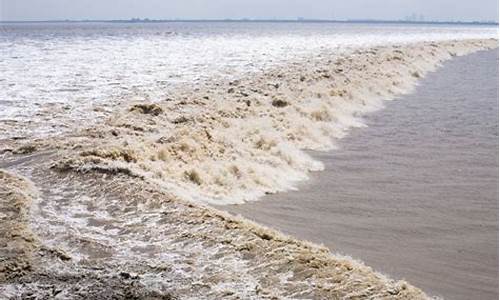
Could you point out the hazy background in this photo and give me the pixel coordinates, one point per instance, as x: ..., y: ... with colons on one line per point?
x: 446, y: 10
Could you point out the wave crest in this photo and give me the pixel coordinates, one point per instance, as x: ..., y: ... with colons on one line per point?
x: 231, y: 142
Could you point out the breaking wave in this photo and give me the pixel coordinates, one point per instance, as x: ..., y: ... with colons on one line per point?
x: 115, y: 215
x: 231, y: 142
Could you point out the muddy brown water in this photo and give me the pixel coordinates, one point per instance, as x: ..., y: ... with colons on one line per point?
x: 415, y: 194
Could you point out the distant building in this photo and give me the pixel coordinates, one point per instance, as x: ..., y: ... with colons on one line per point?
x: 415, y: 18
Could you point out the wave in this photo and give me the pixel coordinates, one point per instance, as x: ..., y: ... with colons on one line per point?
x: 17, y: 241
x: 115, y: 216
x: 230, y: 142
x: 94, y: 237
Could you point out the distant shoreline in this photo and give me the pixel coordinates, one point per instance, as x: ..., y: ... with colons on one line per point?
x: 361, y: 21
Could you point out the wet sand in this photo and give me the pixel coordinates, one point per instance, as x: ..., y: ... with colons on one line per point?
x: 415, y: 194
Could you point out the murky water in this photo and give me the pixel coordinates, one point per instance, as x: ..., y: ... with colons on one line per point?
x: 415, y: 194
x: 112, y: 127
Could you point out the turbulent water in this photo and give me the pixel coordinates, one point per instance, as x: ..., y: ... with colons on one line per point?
x: 415, y: 194
x: 115, y: 135
x: 53, y: 75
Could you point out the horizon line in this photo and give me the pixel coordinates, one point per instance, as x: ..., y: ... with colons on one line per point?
x: 297, y: 20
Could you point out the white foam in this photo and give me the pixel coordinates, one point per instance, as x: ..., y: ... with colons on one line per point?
x: 53, y: 80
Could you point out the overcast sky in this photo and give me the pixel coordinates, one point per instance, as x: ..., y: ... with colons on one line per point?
x: 465, y: 10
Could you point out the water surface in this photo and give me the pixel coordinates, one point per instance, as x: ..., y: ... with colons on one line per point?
x: 415, y: 194
x: 55, y: 75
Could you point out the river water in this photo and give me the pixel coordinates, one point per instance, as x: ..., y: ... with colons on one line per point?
x: 219, y: 112
x: 56, y: 75
x: 415, y: 194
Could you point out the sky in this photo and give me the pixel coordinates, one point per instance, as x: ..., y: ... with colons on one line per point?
x: 444, y: 10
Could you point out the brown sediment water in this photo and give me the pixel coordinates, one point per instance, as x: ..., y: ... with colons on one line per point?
x: 230, y: 142
x: 415, y: 194
x: 119, y: 209
x: 87, y: 236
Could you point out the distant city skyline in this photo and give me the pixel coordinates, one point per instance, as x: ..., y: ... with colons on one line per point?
x: 409, y: 10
